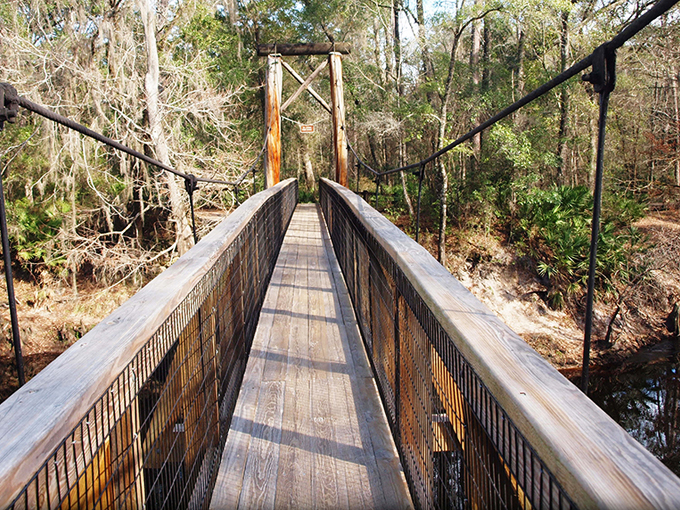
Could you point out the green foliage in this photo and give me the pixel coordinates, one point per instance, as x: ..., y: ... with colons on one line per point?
x: 212, y: 35
x: 554, y: 227
x: 306, y: 195
x: 33, y: 228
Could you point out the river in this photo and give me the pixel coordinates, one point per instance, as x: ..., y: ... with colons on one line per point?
x: 642, y: 396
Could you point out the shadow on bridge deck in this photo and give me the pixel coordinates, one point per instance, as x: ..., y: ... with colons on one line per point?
x: 309, y: 429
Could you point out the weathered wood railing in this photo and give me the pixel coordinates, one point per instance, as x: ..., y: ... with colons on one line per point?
x: 136, y: 413
x: 479, y: 418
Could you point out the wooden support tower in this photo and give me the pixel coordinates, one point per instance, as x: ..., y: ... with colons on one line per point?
x: 272, y: 120
x: 338, y: 106
x: 273, y: 106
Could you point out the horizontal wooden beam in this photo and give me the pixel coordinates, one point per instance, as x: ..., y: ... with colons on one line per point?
x: 303, y: 49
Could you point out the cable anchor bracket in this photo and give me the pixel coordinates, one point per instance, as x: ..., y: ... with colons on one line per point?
x: 9, y: 104
x: 603, y: 73
x: 190, y: 184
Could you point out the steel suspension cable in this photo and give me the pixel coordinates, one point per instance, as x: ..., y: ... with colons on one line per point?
x: 65, y: 121
x: 190, y: 181
x: 658, y: 9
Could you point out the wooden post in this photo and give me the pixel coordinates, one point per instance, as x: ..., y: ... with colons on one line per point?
x: 272, y: 121
x: 338, y: 106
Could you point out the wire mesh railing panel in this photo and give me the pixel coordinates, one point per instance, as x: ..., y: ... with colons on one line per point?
x: 154, y: 438
x: 458, y: 447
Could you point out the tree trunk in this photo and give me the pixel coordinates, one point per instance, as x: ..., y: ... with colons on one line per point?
x: 397, y: 7
x: 564, y: 102
x: 407, y: 198
x: 389, y: 44
x: 440, y: 144
x: 74, y: 227
x: 443, y: 194
x: 444, y: 185
x: 178, y: 208
x: 593, y: 152
x: 309, y: 171
x: 521, y: 52
x: 376, y: 50
x: 674, y: 83
x: 428, y: 69
x: 402, y: 160
x: 476, y: 77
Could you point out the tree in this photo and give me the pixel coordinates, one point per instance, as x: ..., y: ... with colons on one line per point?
x: 152, y: 88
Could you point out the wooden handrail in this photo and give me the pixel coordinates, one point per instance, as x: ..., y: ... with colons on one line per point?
x: 36, y: 419
x: 596, y: 462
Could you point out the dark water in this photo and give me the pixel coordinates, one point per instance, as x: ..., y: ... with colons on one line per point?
x: 642, y: 395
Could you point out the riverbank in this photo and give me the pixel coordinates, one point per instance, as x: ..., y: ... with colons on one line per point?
x: 509, y: 285
x: 52, y: 317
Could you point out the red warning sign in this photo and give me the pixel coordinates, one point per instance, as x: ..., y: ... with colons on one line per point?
x: 306, y: 128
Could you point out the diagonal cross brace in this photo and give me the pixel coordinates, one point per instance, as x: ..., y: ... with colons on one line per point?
x: 305, y: 85
x: 310, y: 89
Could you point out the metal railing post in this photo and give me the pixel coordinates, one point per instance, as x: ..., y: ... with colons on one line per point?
x: 191, y: 185
x: 16, y: 338
x: 421, y: 174
x: 377, y: 191
x: 254, y: 182
x: 603, y: 77
x: 9, y: 107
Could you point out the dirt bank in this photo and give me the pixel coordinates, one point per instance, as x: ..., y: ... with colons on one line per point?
x: 51, y: 318
x: 509, y: 286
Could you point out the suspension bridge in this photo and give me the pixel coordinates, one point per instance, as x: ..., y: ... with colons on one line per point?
x: 315, y: 356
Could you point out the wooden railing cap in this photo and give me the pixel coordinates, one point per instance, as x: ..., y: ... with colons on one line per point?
x: 597, y: 463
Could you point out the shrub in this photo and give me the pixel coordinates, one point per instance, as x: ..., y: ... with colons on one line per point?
x: 554, y: 227
x: 34, y: 227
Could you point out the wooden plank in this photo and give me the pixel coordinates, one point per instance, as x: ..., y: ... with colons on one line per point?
x: 353, y: 473
x: 294, y: 482
x: 37, y: 418
x: 304, y: 85
x: 364, y: 489
x: 318, y: 334
x: 230, y: 477
x: 313, y: 92
x: 597, y: 463
x: 298, y: 355
x: 277, y: 334
x: 259, y: 481
x: 324, y: 479
x: 303, y: 49
x: 349, y: 332
x: 326, y: 456
x: 294, y: 478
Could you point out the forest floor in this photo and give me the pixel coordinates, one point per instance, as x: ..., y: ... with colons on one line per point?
x: 51, y: 318
x: 510, y: 287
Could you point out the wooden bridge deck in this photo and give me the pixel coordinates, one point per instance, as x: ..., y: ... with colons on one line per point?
x: 309, y: 430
